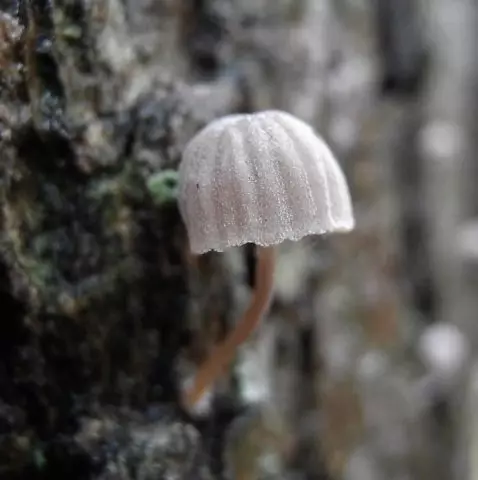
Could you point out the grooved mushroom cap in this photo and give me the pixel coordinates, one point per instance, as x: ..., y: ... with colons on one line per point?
x: 260, y: 178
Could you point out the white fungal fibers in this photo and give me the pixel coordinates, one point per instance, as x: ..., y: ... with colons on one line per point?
x: 260, y: 178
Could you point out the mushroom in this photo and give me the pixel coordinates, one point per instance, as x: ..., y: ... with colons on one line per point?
x: 258, y: 178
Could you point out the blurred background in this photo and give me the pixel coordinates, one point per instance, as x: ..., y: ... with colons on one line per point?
x: 368, y: 353
x: 365, y: 367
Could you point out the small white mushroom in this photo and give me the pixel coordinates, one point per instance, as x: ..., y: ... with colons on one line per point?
x: 260, y: 178
x: 257, y: 178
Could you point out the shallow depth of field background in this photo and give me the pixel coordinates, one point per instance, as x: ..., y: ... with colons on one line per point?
x: 381, y: 381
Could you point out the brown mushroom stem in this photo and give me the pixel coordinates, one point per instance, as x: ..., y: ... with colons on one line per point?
x: 223, y: 354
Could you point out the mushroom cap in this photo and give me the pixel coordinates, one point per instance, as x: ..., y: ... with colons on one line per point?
x: 260, y: 178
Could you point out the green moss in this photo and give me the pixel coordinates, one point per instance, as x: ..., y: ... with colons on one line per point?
x: 39, y: 459
x: 163, y: 187
x: 39, y: 272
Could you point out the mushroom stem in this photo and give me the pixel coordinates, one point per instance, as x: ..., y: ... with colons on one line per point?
x: 223, y: 354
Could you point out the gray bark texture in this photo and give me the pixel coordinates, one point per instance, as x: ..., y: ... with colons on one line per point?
x: 105, y: 315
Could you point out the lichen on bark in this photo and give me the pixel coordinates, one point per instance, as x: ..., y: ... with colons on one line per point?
x: 94, y: 274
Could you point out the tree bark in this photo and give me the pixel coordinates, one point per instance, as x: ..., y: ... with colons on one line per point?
x: 105, y: 314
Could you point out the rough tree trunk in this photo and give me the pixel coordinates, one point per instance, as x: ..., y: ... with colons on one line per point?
x: 104, y: 312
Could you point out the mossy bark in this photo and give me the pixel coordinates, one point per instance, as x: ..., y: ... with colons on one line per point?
x: 94, y: 272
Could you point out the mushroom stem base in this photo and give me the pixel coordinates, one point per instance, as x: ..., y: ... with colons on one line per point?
x: 223, y: 354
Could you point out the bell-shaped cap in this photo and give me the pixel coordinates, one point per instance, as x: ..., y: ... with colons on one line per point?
x: 260, y: 178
